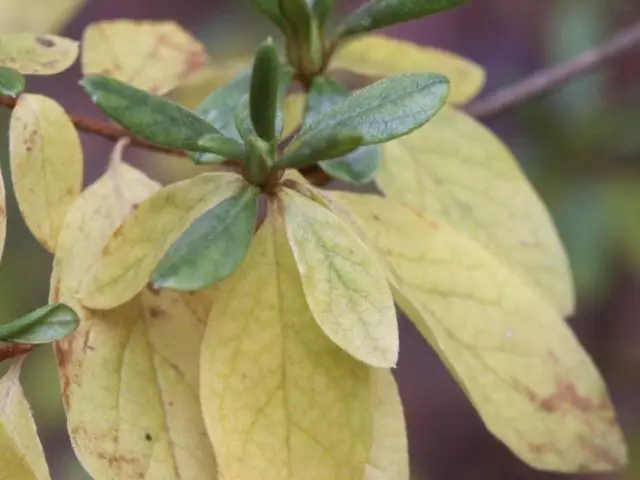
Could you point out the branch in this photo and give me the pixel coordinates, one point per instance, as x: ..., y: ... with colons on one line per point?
x: 13, y: 350
x: 549, y: 79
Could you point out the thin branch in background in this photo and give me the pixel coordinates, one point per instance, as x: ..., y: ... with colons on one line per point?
x: 549, y: 79
x: 13, y: 350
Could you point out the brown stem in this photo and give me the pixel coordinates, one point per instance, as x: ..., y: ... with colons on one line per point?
x: 549, y: 79
x: 13, y: 350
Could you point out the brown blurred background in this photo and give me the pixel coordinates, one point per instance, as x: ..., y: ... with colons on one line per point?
x: 580, y: 146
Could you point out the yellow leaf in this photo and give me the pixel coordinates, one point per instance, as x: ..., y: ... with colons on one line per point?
x: 280, y: 400
x: 457, y: 171
x: 517, y: 360
x: 294, y: 106
x: 129, y: 375
x: 135, y: 248
x: 46, y: 165
x: 37, y: 16
x: 389, y: 454
x: 381, y: 56
x: 37, y: 54
x: 343, y: 283
x: 21, y: 455
x: 156, y: 56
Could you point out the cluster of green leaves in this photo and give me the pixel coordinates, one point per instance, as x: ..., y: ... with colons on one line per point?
x: 271, y: 336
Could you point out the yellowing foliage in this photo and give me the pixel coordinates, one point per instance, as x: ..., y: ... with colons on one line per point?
x: 37, y: 54
x: 126, y: 262
x: 343, y: 283
x: 129, y: 375
x: 46, y: 165
x: 457, y: 171
x: 521, y: 366
x: 381, y: 56
x: 37, y: 16
x: 156, y: 56
x: 21, y: 455
x: 280, y: 400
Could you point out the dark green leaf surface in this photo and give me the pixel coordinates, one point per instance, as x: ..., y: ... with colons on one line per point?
x: 323, y: 95
x: 357, y: 167
x: 387, y: 109
x: 322, y: 9
x: 44, y: 325
x: 212, y: 247
x: 222, y: 148
x: 383, y: 13
x: 12, y: 82
x: 147, y: 116
x: 323, y: 145
x: 269, y: 8
x: 263, y: 99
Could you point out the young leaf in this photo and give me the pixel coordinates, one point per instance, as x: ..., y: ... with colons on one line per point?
x: 155, y: 56
x: 343, y: 283
x: 357, y: 167
x: 271, y: 10
x: 457, y: 171
x: 147, y: 116
x: 32, y: 54
x: 46, y: 165
x: 383, y: 13
x: 381, y: 56
x: 128, y: 259
x: 21, y: 454
x: 223, y: 148
x: 521, y: 366
x: 322, y: 146
x: 12, y: 82
x: 212, y: 247
x: 263, y: 98
x: 44, y: 325
x: 389, y: 454
x: 388, y: 109
x: 280, y: 400
x: 129, y: 376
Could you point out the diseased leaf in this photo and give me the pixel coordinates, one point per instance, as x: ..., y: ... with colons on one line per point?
x: 457, y: 171
x: 383, y: 13
x: 44, y: 325
x: 381, y: 56
x: 129, y: 375
x: 213, y: 246
x: 32, y: 54
x: 387, y: 109
x: 40, y: 16
x: 46, y: 165
x: 127, y: 261
x: 389, y: 454
x: 12, y: 82
x: 516, y: 359
x: 147, y: 116
x: 343, y: 283
x: 155, y: 56
x: 21, y: 455
x: 279, y: 399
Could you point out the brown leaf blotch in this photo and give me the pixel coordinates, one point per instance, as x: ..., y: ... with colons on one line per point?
x: 45, y: 42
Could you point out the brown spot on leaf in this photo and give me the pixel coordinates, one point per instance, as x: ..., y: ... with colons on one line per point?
x: 55, y: 290
x: 155, y: 312
x: 566, y: 394
x: 600, y: 452
x: 45, y: 42
x: 154, y: 291
x: 543, y: 448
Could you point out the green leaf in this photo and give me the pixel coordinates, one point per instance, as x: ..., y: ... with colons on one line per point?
x: 270, y: 9
x: 387, y: 109
x: 322, y: 146
x: 212, y: 247
x: 323, y: 95
x: 12, y: 82
x: 222, y: 147
x: 263, y: 99
x: 357, y: 167
x: 44, y: 325
x: 322, y: 9
x: 147, y: 116
x: 383, y: 13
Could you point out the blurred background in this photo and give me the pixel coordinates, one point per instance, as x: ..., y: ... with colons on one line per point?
x: 580, y: 147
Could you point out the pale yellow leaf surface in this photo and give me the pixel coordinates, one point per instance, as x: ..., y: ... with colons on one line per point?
x: 37, y: 16
x: 128, y: 259
x: 37, y: 54
x: 294, y: 106
x: 381, y: 56
x: 129, y: 375
x: 280, y: 400
x: 517, y: 360
x: 155, y: 56
x: 389, y: 454
x: 46, y: 165
x: 21, y: 455
x: 456, y: 170
x: 344, y: 285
